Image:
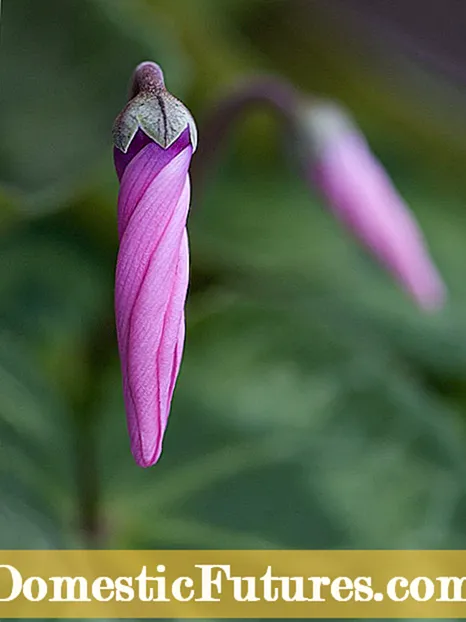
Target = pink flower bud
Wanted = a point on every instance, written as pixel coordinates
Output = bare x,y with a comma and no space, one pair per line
361,195
154,138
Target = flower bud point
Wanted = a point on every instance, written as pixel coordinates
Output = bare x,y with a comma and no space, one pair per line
154,110
148,78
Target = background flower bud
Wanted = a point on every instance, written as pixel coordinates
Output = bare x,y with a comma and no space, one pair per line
360,194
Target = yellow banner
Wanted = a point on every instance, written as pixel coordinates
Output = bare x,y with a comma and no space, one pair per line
232,584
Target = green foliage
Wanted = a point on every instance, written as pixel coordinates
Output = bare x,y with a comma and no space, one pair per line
315,408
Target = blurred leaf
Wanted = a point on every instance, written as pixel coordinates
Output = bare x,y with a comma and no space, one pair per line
379,442
52,294
25,523
52,299
35,466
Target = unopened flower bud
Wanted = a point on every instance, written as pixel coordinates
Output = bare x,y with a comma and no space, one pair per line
339,162
154,137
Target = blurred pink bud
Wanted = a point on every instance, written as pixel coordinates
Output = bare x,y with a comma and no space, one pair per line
155,138
361,195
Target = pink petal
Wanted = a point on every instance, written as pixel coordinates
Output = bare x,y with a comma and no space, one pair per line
141,164
151,286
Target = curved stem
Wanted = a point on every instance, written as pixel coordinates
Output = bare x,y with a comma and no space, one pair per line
278,95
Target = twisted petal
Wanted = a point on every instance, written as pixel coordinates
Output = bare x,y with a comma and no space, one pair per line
360,193
143,166
150,290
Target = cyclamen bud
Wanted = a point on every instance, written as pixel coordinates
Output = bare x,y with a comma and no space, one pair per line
362,196
154,138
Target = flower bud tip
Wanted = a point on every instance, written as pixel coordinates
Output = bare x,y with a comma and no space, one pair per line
154,110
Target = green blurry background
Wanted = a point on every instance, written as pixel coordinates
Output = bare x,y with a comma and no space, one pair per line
316,406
